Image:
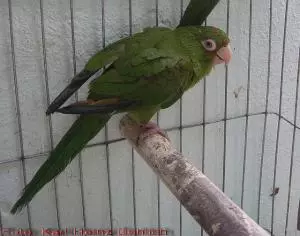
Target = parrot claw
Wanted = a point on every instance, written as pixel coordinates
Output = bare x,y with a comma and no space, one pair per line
149,129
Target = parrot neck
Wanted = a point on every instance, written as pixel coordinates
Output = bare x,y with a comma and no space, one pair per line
202,63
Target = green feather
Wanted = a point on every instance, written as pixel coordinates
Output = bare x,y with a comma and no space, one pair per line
150,70
81,132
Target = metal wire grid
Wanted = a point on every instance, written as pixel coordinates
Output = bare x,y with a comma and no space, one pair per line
181,127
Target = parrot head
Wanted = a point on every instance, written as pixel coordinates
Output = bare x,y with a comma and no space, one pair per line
215,43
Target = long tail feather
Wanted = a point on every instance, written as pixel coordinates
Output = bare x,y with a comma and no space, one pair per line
83,130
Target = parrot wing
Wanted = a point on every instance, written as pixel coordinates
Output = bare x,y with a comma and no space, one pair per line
95,64
105,57
131,81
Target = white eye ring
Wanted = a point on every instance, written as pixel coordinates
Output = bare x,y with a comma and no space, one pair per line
209,45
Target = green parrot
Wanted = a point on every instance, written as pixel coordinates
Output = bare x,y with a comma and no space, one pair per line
142,74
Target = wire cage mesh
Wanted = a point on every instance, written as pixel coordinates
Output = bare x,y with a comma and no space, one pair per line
238,125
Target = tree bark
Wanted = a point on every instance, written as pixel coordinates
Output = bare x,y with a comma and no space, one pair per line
209,206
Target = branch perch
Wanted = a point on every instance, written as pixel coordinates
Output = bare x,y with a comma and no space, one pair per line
209,206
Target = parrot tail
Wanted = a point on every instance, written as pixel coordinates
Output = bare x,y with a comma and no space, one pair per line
80,133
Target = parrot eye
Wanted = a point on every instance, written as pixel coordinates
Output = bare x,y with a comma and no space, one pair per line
209,45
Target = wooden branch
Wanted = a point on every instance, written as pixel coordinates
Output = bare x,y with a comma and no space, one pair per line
209,206
197,11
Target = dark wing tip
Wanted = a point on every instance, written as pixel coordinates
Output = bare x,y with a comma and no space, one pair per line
14,210
75,84
84,108
17,208
49,111
66,110
54,105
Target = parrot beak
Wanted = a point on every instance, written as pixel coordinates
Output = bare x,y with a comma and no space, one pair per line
224,55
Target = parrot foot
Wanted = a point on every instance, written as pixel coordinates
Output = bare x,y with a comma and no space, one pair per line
151,128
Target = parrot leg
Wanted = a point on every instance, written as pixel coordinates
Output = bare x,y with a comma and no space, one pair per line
151,128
